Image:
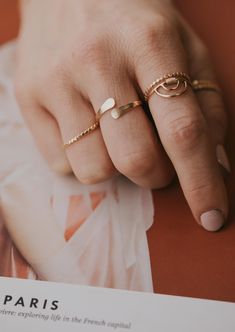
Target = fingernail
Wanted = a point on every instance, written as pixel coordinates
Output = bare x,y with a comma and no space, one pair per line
212,220
222,158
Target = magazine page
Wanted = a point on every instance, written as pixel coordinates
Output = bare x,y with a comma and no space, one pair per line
90,257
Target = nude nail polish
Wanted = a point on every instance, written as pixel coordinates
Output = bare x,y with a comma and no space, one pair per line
222,158
212,220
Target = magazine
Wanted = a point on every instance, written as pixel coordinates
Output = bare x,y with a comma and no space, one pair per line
75,257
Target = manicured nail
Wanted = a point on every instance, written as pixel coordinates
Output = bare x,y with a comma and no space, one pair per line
212,220
222,158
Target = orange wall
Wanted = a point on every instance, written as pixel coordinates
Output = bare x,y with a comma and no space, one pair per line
8,19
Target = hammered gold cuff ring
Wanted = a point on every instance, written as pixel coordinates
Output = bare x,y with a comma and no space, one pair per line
116,112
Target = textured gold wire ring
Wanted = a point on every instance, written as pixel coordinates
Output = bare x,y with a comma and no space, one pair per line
169,85
205,85
116,112
81,135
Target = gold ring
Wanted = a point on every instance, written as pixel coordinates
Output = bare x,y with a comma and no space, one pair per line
116,112
82,134
205,85
170,85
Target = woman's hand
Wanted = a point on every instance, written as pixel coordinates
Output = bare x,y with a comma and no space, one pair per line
74,54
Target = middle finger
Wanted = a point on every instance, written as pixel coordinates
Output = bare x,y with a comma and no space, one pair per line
131,140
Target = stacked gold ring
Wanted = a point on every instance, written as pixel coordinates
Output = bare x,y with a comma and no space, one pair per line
82,134
169,85
205,85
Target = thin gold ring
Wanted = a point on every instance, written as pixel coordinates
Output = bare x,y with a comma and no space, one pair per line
205,85
170,85
82,134
116,112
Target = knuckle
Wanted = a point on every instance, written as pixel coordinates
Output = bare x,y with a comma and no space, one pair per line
155,37
55,75
137,164
89,50
96,174
163,179
61,167
166,179
148,34
157,31
197,191
165,28
186,132
57,70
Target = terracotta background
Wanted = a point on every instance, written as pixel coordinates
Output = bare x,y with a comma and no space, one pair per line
185,259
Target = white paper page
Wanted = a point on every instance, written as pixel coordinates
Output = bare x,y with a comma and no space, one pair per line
82,308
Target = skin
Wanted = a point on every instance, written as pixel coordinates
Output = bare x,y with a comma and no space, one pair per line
73,55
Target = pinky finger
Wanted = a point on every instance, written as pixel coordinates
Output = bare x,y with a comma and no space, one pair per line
47,136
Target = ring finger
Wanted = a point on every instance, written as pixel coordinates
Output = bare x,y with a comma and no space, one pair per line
88,157
210,100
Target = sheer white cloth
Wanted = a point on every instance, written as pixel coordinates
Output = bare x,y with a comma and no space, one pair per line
104,225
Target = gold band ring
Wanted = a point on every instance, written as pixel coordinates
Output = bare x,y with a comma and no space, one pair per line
82,134
170,85
116,112
205,85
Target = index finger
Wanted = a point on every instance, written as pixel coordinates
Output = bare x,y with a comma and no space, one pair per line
185,136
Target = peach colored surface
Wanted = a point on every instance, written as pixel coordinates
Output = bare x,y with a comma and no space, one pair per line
185,259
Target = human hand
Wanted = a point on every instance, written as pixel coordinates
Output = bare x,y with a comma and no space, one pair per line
73,55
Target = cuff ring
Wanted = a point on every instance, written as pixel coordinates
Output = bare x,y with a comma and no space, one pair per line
170,85
116,112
